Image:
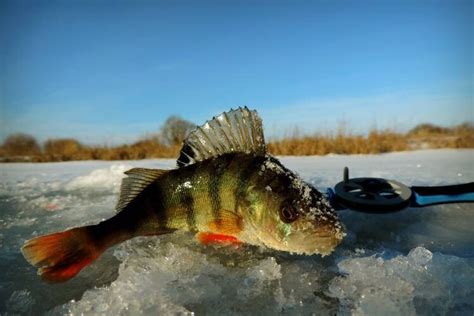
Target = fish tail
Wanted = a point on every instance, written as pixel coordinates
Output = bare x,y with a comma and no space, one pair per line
60,256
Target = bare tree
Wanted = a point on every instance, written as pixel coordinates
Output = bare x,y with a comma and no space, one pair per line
174,130
20,145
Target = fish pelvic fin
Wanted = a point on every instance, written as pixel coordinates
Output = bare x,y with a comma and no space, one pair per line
223,230
60,256
207,238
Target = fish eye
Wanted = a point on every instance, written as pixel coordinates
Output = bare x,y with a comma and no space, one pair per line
288,214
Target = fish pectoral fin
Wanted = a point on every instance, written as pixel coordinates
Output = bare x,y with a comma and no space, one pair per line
207,238
226,223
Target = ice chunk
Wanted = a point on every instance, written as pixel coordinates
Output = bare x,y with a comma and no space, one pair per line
154,278
174,275
420,256
421,282
258,276
267,269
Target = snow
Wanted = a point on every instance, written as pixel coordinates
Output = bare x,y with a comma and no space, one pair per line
418,261
105,179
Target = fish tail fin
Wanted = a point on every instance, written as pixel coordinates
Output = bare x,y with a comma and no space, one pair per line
60,256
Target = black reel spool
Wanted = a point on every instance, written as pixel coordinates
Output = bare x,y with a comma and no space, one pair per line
372,195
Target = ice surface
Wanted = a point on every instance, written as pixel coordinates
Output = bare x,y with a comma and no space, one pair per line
421,281
418,261
20,302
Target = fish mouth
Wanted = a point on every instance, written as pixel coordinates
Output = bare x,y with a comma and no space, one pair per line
322,241
306,243
329,233
307,240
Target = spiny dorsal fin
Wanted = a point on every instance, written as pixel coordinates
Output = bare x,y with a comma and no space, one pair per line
238,130
138,179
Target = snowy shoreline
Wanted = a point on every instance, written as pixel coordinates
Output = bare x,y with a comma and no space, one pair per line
414,151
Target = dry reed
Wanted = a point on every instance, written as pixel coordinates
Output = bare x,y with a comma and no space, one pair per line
342,142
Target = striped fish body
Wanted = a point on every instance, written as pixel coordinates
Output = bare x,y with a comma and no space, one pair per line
210,196
237,195
202,195
226,188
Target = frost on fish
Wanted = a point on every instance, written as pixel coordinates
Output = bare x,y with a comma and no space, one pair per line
311,202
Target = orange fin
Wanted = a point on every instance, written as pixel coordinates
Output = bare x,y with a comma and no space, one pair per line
210,238
228,223
61,256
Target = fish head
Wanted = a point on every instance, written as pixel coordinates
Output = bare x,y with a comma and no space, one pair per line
291,215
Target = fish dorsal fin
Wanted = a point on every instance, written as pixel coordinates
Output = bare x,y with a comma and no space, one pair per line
238,130
138,179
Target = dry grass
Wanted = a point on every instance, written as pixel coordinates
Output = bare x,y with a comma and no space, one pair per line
73,150
431,136
25,148
341,143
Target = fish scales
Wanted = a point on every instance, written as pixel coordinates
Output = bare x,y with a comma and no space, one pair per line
202,192
181,193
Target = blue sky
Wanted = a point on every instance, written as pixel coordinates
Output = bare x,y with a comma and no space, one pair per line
113,71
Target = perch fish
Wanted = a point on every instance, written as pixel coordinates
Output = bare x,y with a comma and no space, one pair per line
226,188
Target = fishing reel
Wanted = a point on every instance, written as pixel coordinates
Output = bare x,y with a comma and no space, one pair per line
370,195
377,195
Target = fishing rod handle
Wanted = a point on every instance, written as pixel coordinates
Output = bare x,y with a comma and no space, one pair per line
455,189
